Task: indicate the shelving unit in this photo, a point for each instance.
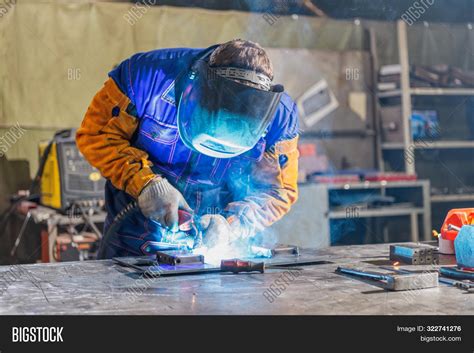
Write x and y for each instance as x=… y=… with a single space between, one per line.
x=445 y=148
x=324 y=209
x=406 y=92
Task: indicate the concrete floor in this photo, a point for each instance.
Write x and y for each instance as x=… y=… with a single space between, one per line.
x=103 y=287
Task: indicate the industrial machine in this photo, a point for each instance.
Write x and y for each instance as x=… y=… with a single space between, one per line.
x=75 y=247
x=66 y=178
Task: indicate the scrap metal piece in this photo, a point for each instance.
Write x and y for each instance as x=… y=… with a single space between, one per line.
x=394 y=282
x=462 y=284
x=260 y=251
x=176 y=258
x=279 y=249
x=286 y=249
x=413 y=281
x=414 y=254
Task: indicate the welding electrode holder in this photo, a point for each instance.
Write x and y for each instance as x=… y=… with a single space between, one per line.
x=236 y=266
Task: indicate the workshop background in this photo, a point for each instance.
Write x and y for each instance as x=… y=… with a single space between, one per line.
x=386 y=98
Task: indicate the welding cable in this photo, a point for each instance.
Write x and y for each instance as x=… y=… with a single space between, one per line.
x=88 y=220
x=128 y=211
x=9 y=211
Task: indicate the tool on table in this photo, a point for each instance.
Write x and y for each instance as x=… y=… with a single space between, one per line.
x=279 y=249
x=464 y=284
x=410 y=254
x=285 y=249
x=457 y=277
x=459 y=284
x=457 y=273
x=237 y=266
x=394 y=282
x=178 y=258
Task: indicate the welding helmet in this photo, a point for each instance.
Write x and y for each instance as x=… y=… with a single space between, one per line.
x=220 y=117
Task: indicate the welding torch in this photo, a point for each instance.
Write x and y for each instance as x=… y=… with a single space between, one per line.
x=187 y=223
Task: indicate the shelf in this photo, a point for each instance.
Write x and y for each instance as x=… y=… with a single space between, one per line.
x=392 y=146
x=429 y=91
x=376 y=185
x=430 y=145
x=433 y=91
x=452 y=197
x=388 y=94
x=378 y=212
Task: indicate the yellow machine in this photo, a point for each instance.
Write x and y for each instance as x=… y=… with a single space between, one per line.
x=66 y=177
x=50 y=184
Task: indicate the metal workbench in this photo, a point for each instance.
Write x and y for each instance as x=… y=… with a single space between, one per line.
x=102 y=287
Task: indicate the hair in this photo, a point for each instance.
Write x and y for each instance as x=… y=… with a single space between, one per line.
x=242 y=54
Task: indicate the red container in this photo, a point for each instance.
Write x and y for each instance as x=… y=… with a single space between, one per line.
x=456 y=217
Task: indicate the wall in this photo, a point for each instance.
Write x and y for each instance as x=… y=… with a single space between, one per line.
x=45 y=43
x=55 y=55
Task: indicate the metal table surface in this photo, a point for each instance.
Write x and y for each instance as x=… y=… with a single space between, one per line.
x=103 y=287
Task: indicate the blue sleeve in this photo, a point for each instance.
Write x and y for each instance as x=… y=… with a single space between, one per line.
x=121 y=75
x=285 y=125
x=139 y=76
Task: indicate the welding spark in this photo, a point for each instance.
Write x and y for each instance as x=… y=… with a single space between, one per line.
x=238 y=248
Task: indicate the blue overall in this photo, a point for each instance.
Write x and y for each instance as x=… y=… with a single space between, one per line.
x=208 y=184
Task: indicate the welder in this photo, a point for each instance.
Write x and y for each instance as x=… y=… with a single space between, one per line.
x=201 y=130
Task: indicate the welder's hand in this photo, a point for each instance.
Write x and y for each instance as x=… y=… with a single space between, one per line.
x=242 y=230
x=160 y=201
x=244 y=220
x=215 y=229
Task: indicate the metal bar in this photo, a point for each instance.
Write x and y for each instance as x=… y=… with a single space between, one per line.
x=20 y=234
x=375 y=104
x=414 y=231
x=427 y=208
x=405 y=92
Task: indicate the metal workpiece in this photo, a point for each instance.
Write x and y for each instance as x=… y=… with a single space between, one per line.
x=104 y=287
x=178 y=258
x=414 y=254
x=391 y=280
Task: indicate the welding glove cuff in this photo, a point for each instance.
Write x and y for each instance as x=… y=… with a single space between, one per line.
x=160 y=201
